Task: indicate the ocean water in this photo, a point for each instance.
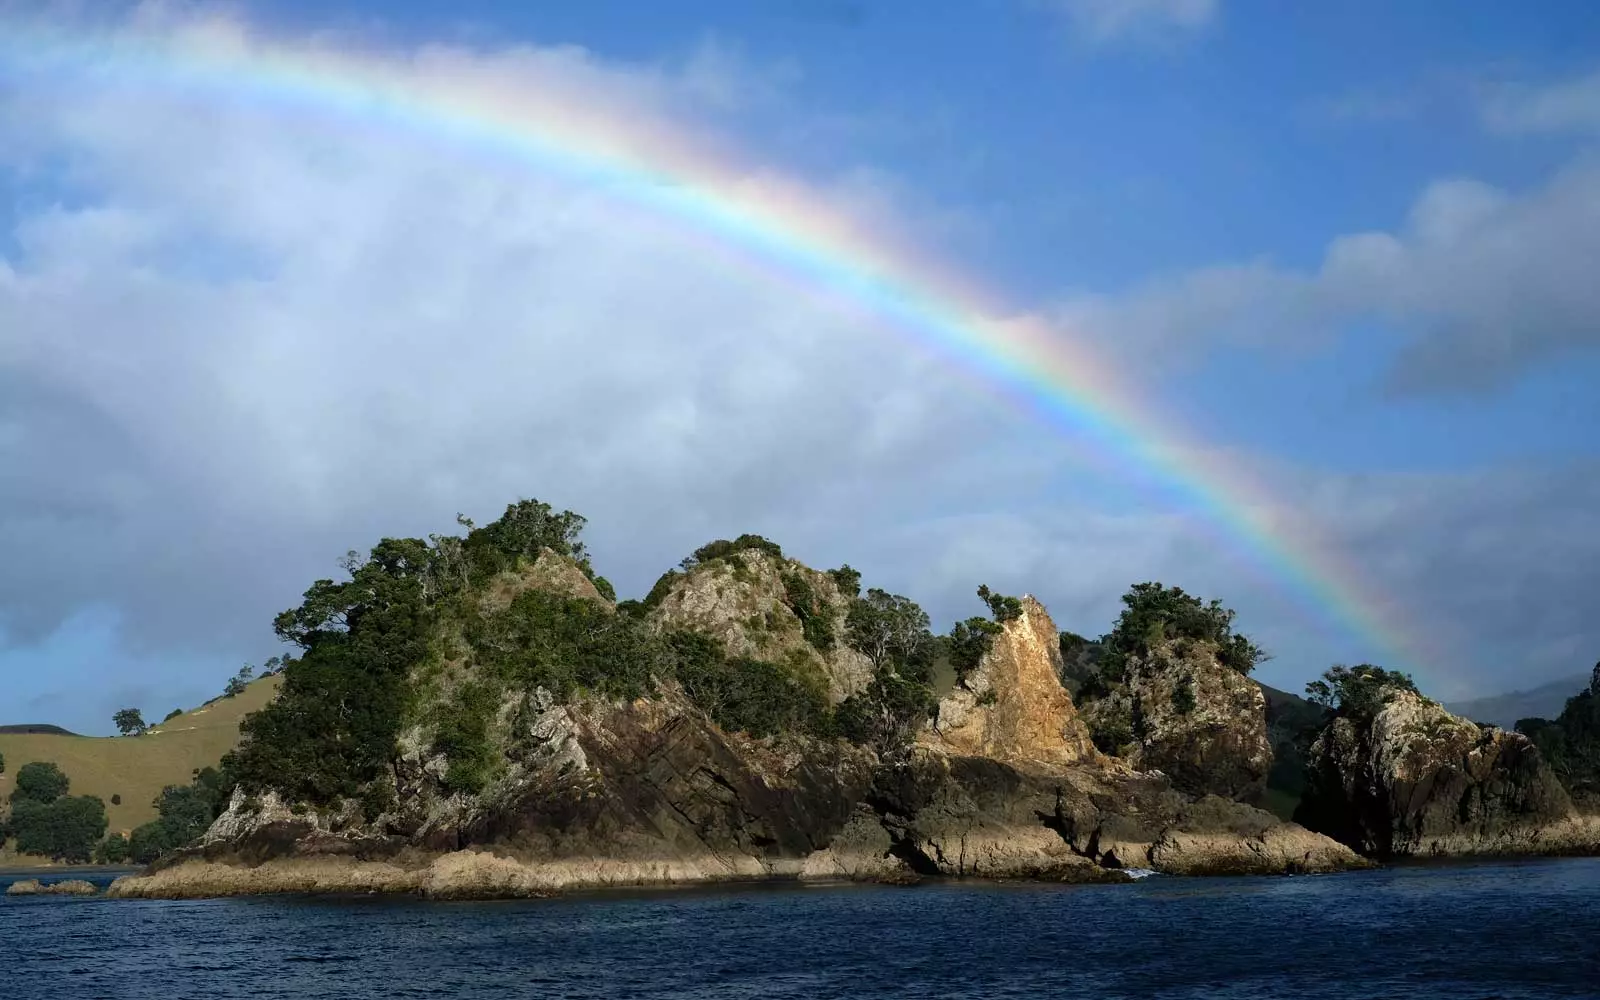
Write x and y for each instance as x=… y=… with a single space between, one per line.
x=1466 y=932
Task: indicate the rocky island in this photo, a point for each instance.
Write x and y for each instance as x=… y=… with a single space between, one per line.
x=478 y=716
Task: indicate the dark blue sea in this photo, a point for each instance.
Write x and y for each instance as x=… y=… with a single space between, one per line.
x=1467 y=932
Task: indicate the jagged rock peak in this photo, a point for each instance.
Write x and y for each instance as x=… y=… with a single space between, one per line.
x=765 y=606
x=1012 y=707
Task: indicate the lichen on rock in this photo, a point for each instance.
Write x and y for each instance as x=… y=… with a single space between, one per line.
x=1411 y=779
x=747 y=600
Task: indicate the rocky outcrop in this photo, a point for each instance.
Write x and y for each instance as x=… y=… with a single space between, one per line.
x=552 y=572
x=1012 y=707
x=981 y=817
x=650 y=791
x=70 y=887
x=1181 y=711
x=748 y=602
x=1415 y=780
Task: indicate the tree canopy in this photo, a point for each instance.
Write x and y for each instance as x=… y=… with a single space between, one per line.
x=129 y=722
x=1154 y=613
x=39 y=781
x=1358 y=692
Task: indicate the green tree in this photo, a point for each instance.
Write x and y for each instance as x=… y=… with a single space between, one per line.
x=41 y=782
x=969 y=642
x=1358 y=692
x=847 y=580
x=238 y=682
x=112 y=851
x=66 y=829
x=1571 y=741
x=184 y=812
x=1003 y=608
x=722 y=548
x=887 y=714
x=890 y=630
x=129 y=722
x=1153 y=613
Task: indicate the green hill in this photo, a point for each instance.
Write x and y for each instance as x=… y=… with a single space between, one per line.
x=136 y=768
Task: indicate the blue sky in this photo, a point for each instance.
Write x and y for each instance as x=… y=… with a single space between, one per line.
x=1350 y=246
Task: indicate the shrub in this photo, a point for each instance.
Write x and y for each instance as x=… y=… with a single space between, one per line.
x=1153 y=613
x=1183 y=700
x=969 y=642
x=114 y=850
x=1358 y=692
x=816 y=616
x=1003 y=608
x=722 y=549
x=847 y=580
x=887 y=715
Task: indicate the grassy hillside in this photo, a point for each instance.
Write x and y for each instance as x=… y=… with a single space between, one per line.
x=138 y=767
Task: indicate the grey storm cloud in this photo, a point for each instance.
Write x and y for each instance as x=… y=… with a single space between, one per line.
x=250 y=342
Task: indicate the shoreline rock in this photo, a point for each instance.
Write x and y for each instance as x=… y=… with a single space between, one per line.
x=69 y=887
x=1414 y=780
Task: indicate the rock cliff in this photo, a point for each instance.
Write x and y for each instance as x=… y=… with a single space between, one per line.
x=1012 y=707
x=1412 y=779
x=764 y=606
x=1179 y=710
x=650 y=791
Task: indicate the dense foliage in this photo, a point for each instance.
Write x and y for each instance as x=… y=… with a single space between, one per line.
x=185 y=812
x=1358 y=692
x=1153 y=613
x=332 y=728
x=722 y=549
x=893 y=632
x=816 y=615
x=45 y=820
x=1571 y=741
x=39 y=781
x=1003 y=608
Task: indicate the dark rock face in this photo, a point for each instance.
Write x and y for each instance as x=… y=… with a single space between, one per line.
x=1416 y=780
x=661 y=780
x=1181 y=711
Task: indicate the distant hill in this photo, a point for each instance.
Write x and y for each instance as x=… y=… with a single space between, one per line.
x=135 y=768
x=1288 y=717
x=35 y=730
x=1545 y=701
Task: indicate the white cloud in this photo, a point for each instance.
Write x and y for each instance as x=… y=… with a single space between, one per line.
x=1104 y=22
x=254 y=337
x=1479 y=282
x=1568 y=106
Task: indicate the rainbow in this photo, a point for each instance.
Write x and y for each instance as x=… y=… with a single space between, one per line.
x=704 y=186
